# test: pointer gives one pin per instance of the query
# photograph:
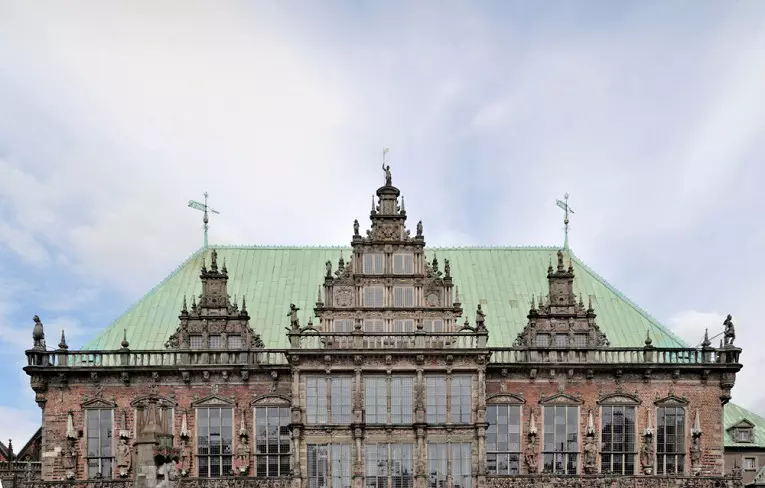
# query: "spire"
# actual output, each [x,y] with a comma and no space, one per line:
[244,305]
[403,208]
[567,210]
[696,430]
[62,345]
[706,342]
[205,209]
[185,309]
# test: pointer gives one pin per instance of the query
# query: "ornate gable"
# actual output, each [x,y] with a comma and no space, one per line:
[560,399]
[671,401]
[619,399]
[504,399]
[213,401]
[98,403]
[162,402]
[560,321]
[271,400]
[386,286]
[215,322]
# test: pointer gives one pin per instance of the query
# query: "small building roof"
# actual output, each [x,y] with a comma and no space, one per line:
[736,414]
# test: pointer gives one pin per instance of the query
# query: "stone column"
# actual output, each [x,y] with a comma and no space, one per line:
[147,440]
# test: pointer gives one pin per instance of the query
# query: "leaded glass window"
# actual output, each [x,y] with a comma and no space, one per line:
[374,264]
[376,399]
[334,392]
[195,341]
[403,264]
[561,439]
[436,399]
[389,465]
[272,441]
[329,465]
[380,392]
[617,435]
[433,325]
[234,342]
[99,456]
[214,342]
[503,439]
[670,440]
[215,433]
[462,456]
[461,398]
[401,395]
[461,464]
[374,296]
[542,340]
[403,296]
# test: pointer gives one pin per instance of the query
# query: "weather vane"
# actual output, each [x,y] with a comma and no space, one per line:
[564,205]
[204,208]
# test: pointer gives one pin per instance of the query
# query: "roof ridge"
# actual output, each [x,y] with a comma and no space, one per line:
[624,297]
[152,290]
[338,246]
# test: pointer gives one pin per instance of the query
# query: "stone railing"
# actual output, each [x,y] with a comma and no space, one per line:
[611,481]
[238,482]
[385,340]
[142,359]
[616,355]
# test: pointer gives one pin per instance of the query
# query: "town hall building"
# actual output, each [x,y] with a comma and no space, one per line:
[387,364]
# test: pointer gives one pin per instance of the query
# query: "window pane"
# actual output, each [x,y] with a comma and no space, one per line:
[195,341]
[560,439]
[374,296]
[316,399]
[214,342]
[403,264]
[272,441]
[341,400]
[374,264]
[503,439]
[376,399]
[461,399]
[436,399]
[234,342]
[402,393]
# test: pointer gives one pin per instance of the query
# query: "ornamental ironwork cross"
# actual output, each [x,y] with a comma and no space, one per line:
[567,210]
[206,209]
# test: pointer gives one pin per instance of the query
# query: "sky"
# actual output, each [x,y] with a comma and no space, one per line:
[650,114]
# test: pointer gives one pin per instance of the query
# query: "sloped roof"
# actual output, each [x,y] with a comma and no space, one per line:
[501,279]
[735,414]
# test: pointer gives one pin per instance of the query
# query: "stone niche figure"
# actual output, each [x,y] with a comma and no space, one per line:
[530,456]
[696,455]
[184,460]
[292,314]
[124,458]
[243,456]
[69,460]
[590,455]
[646,454]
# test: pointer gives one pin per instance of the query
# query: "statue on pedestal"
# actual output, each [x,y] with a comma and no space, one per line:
[124,458]
[69,460]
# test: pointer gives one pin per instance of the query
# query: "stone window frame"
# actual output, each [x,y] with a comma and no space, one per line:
[754,467]
[214,401]
[568,401]
[448,463]
[506,400]
[343,451]
[367,303]
[99,405]
[744,425]
[164,403]
[672,401]
[395,453]
[400,291]
[271,401]
[391,410]
[329,405]
[625,400]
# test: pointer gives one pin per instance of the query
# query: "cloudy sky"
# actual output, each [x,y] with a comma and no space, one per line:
[650,114]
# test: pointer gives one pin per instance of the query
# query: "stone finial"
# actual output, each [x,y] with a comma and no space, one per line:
[696,429]
[62,345]
[125,344]
[403,208]
[549,267]
[184,427]
[10,450]
[532,423]
[648,340]
[649,423]
[38,334]
[242,427]
[706,342]
[590,431]
[184,309]
[318,295]
[244,305]
[223,269]
[447,268]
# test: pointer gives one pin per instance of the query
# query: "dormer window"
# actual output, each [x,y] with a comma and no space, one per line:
[743,434]
[403,264]
[374,264]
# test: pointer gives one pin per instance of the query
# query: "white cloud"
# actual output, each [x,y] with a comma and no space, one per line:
[18,424]
[691,324]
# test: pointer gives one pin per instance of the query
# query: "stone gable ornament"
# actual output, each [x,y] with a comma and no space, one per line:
[292,314]
[730,331]
[646,451]
[590,447]
[243,450]
[124,458]
[530,455]
[69,459]
[695,449]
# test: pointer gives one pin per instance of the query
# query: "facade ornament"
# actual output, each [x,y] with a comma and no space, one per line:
[646,451]
[480,318]
[530,456]
[447,269]
[184,461]
[70,432]
[62,346]
[419,228]
[38,334]
[356,228]
[388,176]
[69,459]
[590,447]
[243,449]
[696,446]
[184,427]
[729,334]
[124,458]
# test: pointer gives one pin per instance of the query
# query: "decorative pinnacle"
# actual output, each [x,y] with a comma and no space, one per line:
[185,308]
[318,295]
[62,345]
[403,208]
[244,305]
[533,303]
[706,342]
[125,344]
[224,270]
[648,340]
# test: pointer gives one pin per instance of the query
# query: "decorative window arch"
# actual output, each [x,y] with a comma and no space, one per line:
[505,399]
[619,399]
[214,436]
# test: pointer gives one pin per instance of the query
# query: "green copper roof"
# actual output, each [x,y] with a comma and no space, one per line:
[735,414]
[501,279]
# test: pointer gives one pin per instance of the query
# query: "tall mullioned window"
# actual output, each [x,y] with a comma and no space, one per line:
[215,434]
[374,264]
[329,465]
[272,441]
[403,296]
[384,394]
[389,465]
[561,439]
[617,439]
[99,453]
[670,440]
[461,463]
[503,439]
[334,392]
[374,296]
[403,264]
[461,398]
[436,399]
